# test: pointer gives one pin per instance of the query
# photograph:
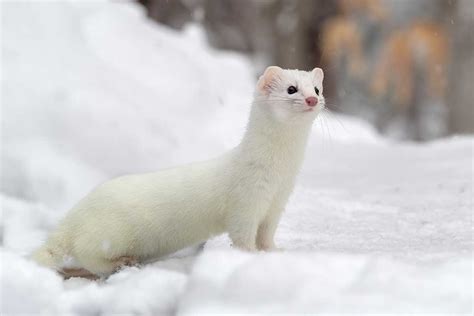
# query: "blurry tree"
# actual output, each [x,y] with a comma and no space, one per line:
[350,41]
[390,65]
[173,13]
[461,92]
[410,78]
[387,60]
[282,32]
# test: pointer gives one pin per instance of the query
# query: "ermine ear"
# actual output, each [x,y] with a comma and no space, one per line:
[265,80]
[318,74]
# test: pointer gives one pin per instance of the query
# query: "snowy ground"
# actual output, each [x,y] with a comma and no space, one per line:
[92,90]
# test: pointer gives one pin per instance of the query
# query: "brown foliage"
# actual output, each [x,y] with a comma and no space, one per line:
[341,37]
[418,50]
[421,46]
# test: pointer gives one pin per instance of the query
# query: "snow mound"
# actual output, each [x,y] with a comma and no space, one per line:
[99,87]
[130,291]
[233,282]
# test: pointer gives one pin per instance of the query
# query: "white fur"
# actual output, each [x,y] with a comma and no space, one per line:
[243,192]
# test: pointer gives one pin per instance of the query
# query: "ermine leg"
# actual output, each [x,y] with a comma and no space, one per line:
[125,261]
[266,231]
[77,273]
[243,232]
[104,266]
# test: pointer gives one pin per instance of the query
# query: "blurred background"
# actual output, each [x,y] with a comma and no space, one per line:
[406,66]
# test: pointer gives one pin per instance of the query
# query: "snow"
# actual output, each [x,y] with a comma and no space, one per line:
[92,90]
[330,283]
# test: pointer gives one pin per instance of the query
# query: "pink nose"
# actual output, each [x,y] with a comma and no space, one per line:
[311,101]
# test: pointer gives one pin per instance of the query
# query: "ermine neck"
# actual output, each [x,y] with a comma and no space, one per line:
[270,141]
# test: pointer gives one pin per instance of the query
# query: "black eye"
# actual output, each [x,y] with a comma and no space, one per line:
[316,90]
[292,89]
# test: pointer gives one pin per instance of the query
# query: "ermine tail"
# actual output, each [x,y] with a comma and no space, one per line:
[45,257]
[52,254]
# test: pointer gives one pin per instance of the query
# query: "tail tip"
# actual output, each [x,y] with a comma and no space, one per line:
[45,257]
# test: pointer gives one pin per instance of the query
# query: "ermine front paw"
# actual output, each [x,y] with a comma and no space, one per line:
[278,249]
[270,248]
[249,248]
[125,261]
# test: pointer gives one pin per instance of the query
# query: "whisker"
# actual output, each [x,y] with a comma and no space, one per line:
[330,104]
[322,131]
[327,127]
[337,119]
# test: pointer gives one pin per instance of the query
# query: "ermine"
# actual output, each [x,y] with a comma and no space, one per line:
[140,217]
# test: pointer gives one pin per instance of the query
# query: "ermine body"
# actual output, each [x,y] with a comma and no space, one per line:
[140,217]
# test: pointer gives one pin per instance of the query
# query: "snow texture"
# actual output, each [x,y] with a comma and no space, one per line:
[92,90]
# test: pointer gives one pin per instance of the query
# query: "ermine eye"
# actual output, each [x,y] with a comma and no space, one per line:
[316,90]
[292,89]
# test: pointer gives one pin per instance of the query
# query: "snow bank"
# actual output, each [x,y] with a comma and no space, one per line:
[92,90]
[30,289]
[99,89]
[301,282]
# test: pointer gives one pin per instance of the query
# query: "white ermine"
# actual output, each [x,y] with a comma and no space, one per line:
[140,217]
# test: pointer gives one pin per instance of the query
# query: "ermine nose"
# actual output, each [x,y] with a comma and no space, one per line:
[311,101]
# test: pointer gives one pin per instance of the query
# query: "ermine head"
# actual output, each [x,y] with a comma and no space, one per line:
[287,94]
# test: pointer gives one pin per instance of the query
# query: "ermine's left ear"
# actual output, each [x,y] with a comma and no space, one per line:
[318,74]
[265,80]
